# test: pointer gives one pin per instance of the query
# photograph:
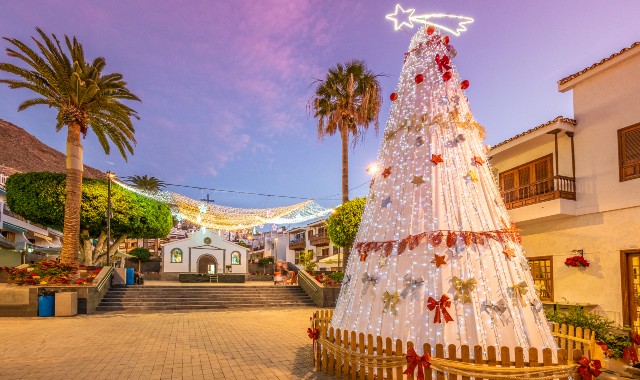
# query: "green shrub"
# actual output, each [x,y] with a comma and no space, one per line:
[616,338]
[336,276]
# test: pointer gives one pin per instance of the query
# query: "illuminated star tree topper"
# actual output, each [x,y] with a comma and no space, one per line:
[453,24]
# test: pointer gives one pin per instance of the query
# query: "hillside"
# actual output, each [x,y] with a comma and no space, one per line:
[22,152]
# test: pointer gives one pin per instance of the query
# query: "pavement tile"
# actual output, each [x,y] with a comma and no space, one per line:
[230,344]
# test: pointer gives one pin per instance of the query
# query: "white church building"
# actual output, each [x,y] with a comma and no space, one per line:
[204,252]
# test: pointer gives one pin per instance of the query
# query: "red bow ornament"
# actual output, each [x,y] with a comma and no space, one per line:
[443,63]
[413,361]
[440,307]
[313,334]
[589,368]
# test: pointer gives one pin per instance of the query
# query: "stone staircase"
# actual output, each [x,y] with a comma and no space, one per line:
[159,298]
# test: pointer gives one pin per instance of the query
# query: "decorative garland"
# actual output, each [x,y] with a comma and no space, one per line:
[436,238]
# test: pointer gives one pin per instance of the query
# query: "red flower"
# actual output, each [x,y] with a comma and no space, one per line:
[576,261]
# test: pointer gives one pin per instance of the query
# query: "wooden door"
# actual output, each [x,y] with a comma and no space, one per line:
[205,262]
[633,290]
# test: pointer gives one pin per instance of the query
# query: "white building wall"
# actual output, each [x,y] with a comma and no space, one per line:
[603,104]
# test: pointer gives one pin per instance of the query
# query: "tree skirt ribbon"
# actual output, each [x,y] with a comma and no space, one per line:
[440,307]
[413,361]
[390,301]
[589,368]
[463,288]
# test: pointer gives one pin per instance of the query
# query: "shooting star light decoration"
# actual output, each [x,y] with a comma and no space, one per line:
[402,17]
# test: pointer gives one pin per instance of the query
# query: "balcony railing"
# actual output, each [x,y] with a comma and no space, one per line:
[319,239]
[297,244]
[3,181]
[548,189]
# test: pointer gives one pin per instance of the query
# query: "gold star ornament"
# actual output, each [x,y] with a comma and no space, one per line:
[439,260]
[417,180]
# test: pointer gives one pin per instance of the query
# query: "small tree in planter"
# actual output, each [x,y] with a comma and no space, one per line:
[141,255]
[307,261]
[342,226]
[264,261]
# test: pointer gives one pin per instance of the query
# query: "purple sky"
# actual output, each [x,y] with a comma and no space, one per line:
[225,84]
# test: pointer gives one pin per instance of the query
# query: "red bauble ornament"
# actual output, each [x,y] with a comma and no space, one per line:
[445,40]
[446,76]
[430,29]
[393,96]
[464,84]
[419,78]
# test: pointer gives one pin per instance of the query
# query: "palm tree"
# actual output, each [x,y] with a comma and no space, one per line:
[347,102]
[146,183]
[85,98]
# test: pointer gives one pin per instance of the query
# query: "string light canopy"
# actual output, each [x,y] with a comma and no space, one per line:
[230,218]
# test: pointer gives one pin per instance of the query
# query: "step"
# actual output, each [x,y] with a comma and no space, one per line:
[157,298]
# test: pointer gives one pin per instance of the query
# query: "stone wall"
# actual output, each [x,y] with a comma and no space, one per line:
[18,301]
[322,296]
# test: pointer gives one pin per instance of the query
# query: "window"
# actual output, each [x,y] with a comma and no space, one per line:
[176,255]
[629,152]
[235,258]
[542,273]
[336,250]
[528,180]
[324,252]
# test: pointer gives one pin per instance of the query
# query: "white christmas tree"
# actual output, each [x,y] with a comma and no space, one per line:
[436,258]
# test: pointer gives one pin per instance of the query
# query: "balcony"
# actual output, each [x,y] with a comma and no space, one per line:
[319,239]
[557,187]
[3,180]
[297,244]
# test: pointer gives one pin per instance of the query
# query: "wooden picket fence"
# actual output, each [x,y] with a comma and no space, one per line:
[570,338]
[345,364]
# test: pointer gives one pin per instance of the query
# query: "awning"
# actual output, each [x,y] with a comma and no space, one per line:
[123,255]
[41,236]
[47,249]
[332,259]
[4,243]
[14,227]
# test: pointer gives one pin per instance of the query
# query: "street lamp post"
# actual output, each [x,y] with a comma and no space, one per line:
[110,176]
[275,254]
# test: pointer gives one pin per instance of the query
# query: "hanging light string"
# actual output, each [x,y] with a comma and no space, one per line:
[231,218]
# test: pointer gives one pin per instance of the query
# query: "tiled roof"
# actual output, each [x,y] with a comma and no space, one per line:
[557,119]
[573,76]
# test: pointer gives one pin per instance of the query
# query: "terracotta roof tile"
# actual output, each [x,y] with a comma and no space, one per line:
[557,119]
[573,76]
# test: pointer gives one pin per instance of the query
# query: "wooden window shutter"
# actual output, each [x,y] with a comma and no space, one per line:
[629,147]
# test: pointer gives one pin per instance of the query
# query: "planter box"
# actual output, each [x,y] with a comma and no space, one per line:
[66,304]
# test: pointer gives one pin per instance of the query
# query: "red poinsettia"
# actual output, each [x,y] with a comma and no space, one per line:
[576,261]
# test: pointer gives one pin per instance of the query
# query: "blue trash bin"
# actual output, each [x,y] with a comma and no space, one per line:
[129,276]
[46,306]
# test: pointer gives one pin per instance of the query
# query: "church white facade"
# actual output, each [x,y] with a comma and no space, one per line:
[204,252]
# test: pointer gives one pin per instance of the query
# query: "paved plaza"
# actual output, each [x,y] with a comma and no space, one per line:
[236,344]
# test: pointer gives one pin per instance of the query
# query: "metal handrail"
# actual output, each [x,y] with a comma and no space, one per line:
[302,274]
[105,279]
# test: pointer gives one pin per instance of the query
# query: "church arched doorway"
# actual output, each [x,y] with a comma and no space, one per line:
[207,264]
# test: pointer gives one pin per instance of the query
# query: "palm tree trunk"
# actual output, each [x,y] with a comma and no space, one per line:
[71,231]
[344,134]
